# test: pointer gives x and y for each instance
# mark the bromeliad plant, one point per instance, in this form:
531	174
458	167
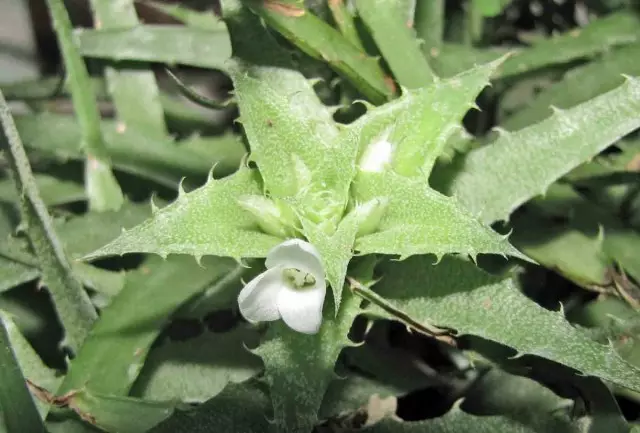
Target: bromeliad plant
314	192
371	208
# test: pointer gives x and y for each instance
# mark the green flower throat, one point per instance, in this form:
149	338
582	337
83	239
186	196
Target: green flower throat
298	279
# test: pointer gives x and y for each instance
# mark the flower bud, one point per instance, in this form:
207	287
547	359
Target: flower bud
370	214
273	218
377	155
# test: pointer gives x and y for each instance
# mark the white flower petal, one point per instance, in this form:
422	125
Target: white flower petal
258	299
301	310
296	253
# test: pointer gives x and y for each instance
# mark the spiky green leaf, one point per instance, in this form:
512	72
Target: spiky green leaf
456	294
419	220
207	221
418	124
497	178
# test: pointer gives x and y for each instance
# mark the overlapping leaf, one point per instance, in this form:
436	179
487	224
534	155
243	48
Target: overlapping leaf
198	369
318	39
496	179
419	220
458	295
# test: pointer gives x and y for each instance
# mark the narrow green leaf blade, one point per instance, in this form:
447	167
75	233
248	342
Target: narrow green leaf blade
614	30
396	41
456	294
17	409
132	150
206	221
193	18
169	44
490	8
600	35
497	178
103	190
71	301
454	421
53	191
321	41
419	220
562	248
578	85
134	91
32	367
119	414
429	23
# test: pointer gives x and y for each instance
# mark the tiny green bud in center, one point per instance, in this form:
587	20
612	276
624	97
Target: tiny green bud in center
299	279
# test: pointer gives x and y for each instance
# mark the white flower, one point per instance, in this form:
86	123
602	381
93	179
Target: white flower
292	288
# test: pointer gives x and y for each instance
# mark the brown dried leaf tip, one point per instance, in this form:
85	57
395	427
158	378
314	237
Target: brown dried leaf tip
286	9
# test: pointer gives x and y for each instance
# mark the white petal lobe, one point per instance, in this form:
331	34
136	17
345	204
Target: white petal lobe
301	310
258	299
296	253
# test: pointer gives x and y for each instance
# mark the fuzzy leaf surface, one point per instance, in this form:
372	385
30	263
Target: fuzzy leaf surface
336	251
420	220
198	369
292	135
207	221
158	43
299	367
456	294
419	123
497	178
239	408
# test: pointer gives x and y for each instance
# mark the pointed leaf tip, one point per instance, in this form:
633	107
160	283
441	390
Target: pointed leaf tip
206	221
